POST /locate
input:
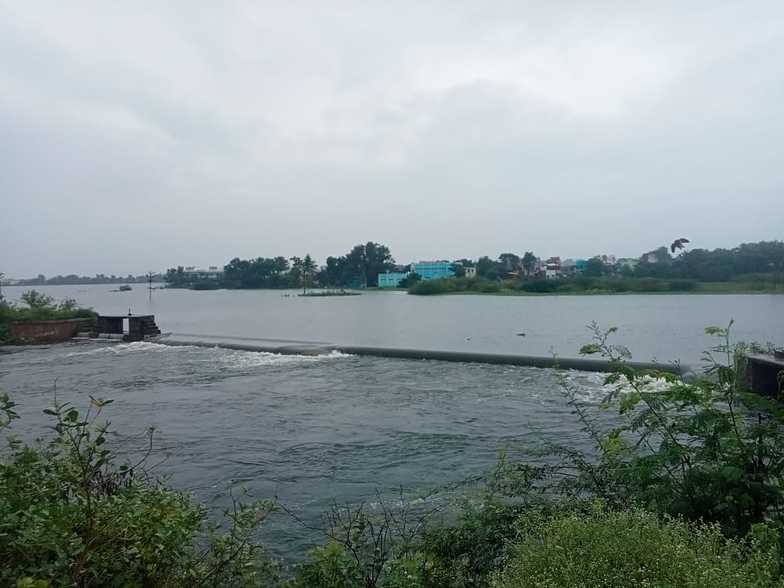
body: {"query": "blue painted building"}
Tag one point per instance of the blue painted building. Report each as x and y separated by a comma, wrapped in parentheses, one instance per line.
(433, 270)
(391, 279)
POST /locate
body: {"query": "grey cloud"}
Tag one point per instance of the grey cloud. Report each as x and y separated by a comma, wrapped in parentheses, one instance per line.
(441, 129)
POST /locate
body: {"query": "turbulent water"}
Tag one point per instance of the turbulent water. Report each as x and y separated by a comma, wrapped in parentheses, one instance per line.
(309, 430)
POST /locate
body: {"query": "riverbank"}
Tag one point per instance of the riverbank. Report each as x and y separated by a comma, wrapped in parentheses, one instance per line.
(589, 287)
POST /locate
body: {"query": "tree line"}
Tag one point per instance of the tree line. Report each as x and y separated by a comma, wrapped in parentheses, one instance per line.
(747, 259)
(360, 267)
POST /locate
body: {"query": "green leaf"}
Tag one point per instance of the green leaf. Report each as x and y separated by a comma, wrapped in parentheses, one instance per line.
(590, 349)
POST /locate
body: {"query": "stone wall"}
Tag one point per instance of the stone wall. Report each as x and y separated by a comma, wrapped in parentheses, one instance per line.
(36, 332)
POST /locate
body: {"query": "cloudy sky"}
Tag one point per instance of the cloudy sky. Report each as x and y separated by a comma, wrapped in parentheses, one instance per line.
(140, 135)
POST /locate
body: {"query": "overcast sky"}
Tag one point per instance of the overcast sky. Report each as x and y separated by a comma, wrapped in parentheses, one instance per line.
(141, 135)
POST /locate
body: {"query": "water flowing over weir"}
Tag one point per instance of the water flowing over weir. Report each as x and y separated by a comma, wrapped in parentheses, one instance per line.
(290, 347)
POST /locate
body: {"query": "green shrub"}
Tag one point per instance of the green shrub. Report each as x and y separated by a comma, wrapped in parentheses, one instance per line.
(683, 285)
(632, 548)
(447, 285)
(703, 448)
(430, 287)
(70, 517)
(40, 307)
(540, 286)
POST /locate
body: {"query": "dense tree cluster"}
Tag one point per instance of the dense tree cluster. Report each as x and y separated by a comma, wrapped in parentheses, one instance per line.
(359, 267)
(765, 257)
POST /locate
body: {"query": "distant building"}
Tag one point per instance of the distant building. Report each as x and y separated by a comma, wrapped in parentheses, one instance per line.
(580, 265)
(391, 279)
(433, 270)
(628, 263)
(568, 267)
(552, 268)
(194, 274)
(470, 272)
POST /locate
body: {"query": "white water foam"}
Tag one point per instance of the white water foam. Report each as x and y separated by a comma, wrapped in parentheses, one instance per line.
(251, 359)
(135, 347)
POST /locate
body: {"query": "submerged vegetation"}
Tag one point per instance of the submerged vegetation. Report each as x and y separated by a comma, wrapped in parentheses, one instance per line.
(686, 489)
(37, 307)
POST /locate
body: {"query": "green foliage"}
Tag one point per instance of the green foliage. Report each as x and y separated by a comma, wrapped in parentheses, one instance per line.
(303, 272)
(606, 284)
(594, 267)
(261, 272)
(69, 516)
(702, 448)
(330, 566)
(36, 300)
(631, 548)
(765, 257)
(411, 279)
(366, 548)
(451, 285)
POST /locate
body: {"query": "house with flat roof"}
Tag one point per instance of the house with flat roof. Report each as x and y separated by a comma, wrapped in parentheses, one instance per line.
(433, 270)
(195, 274)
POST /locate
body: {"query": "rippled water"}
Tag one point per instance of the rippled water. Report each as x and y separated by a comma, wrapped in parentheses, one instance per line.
(309, 430)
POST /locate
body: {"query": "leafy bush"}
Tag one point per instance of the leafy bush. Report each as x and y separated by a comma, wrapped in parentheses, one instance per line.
(70, 517)
(40, 307)
(540, 286)
(632, 548)
(702, 448)
(449, 285)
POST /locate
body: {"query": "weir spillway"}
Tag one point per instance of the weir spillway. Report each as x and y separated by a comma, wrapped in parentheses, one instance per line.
(292, 347)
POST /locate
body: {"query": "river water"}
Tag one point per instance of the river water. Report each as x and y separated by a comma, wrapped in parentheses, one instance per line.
(317, 430)
(655, 327)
